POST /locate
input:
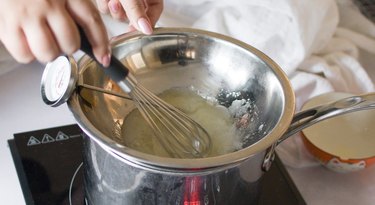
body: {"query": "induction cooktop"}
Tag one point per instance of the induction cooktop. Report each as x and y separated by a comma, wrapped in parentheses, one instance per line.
(50, 171)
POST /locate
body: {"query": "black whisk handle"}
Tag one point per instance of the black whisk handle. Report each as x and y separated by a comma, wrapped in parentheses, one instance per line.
(116, 70)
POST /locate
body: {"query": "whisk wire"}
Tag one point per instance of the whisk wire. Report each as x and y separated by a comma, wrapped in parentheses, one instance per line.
(142, 105)
(171, 126)
(162, 132)
(151, 122)
(171, 113)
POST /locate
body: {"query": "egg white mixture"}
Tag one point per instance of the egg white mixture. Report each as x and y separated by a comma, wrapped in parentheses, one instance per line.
(215, 119)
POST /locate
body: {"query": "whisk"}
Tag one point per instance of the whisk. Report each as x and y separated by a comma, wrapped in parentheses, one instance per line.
(180, 136)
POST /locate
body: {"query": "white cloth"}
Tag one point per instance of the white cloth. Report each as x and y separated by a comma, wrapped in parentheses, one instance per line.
(316, 42)
(286, 30)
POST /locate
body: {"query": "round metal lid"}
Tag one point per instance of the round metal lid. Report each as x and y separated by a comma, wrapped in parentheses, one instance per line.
(59, 81)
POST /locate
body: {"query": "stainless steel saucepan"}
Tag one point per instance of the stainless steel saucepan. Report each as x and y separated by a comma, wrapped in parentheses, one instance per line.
(219, 68)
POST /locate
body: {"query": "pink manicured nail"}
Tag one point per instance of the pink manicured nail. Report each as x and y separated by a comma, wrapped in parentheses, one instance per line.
(145, 26)
(106, 60)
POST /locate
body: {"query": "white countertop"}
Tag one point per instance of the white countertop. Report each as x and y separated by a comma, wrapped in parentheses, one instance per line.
(22, 109)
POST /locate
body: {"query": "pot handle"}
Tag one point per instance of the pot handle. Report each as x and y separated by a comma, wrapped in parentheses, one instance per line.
(319, 113)
(306, 118)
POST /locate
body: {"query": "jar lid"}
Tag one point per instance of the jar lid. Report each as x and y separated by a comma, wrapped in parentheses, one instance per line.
(59, 81)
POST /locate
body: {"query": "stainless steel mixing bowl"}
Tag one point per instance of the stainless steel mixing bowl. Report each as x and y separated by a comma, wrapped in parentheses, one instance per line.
(213, 64)
(220, 68)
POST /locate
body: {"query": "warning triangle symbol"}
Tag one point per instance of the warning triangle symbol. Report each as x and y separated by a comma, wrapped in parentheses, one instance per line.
(33, 141)
(47, 139)
(61, 136)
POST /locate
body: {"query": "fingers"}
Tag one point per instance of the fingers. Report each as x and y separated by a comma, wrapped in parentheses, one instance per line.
(136, 13)
(41, 41)
(142, 14)
(116, 10)
(62, 27)
(30, 40)
(154, 10)
(49, 29)
(16, 44)
(86, 15)
(45, 30)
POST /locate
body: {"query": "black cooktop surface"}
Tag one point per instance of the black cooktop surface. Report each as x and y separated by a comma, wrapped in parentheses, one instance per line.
(49, 167)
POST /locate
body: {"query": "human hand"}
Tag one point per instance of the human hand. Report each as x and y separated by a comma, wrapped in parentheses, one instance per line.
(142, 14)
(42, 30)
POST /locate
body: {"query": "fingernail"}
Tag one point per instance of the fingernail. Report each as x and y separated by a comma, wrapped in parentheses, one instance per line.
(114, 7)
(145, 26)
(106, 60)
